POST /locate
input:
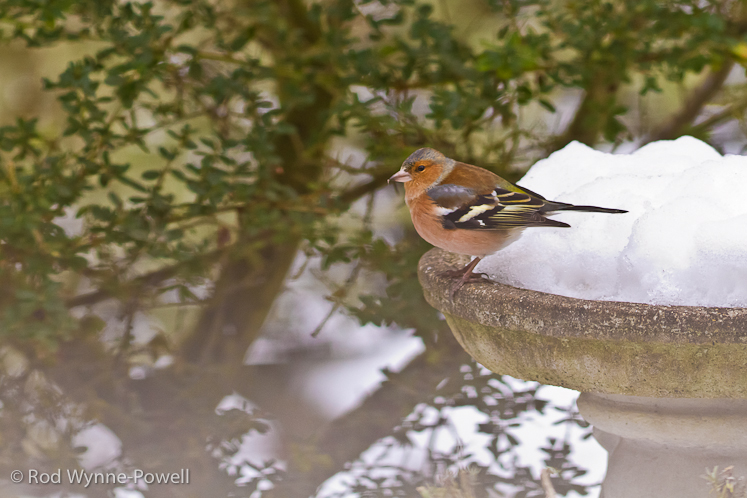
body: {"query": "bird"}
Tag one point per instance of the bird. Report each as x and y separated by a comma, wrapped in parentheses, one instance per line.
(469, 210)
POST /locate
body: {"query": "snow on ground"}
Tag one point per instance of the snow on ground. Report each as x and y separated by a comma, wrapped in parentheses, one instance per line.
(683, 241)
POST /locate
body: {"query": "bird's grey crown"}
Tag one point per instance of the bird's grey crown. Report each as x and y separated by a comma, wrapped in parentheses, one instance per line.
(424, 154)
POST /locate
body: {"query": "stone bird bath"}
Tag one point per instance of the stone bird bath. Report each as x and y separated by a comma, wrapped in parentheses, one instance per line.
(665, 387)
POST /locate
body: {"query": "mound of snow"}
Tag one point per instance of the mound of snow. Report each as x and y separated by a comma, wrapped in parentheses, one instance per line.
(683, 241)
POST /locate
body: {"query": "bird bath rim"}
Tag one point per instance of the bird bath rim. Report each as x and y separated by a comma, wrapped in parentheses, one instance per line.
(605, 347)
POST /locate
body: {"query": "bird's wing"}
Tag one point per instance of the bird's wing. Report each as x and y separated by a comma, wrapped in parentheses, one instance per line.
(500, 209)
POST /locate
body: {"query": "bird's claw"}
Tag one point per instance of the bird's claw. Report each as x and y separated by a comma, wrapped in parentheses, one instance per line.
(452, 273)
(464, 278)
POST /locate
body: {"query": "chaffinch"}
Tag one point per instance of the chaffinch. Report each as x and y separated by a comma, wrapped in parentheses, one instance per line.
(469, 210)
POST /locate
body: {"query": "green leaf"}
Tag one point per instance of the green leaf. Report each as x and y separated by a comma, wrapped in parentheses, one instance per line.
(151, 174)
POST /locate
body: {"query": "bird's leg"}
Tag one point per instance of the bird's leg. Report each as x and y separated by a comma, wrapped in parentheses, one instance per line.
(465, 275)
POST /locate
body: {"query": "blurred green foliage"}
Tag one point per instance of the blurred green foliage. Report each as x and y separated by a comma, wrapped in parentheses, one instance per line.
(236, 107)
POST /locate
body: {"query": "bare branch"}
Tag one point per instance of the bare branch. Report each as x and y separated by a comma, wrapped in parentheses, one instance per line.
(547, 483)
(379, 180)
(145, 281)
(682, 121)
(730, 112)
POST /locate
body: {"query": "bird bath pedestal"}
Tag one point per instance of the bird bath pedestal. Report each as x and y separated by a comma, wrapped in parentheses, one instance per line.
(665, 387)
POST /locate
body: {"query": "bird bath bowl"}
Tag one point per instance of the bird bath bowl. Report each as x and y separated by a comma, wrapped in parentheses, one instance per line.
(665, 387)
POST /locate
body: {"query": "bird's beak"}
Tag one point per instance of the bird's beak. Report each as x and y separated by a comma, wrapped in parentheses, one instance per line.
(400, 176)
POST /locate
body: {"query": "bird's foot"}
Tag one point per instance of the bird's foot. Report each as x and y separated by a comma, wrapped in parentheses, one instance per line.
(465, 275)
(463, 278)
(460, 273)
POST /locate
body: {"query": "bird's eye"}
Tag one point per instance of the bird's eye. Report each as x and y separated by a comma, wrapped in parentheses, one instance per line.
(420, 168)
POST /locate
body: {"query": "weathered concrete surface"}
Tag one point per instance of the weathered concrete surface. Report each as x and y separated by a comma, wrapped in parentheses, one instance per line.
(659, 447)
(594, 346)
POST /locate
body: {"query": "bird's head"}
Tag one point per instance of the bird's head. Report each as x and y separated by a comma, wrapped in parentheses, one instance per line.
(423, 169)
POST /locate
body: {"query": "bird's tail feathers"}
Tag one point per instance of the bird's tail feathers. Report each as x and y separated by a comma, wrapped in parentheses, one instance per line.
(588, 209)
(548, 222)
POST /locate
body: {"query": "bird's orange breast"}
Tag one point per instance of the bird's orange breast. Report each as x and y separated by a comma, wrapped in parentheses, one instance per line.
(470, 242)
